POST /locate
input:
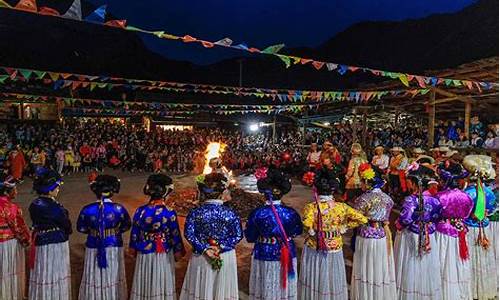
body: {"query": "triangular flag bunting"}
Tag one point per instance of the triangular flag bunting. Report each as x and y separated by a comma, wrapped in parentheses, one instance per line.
(468, 84)
(74, 11)
(26, 73)
(273, 49)
(285, 59)
(27, 5)
(98, 15)
(296, 59)
(331, 66)
(404, 79)
(54, 76)
(4, 4)
(3, 78)
(188, 39)
(241, 46)
(48, 11)
(159, 33)
(318, 64)
(226, 42)
(207, 44)
(117, 23)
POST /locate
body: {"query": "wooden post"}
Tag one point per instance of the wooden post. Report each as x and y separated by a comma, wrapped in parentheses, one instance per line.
(432, 119)
(468, 108)
(59, 110)
(365, 129)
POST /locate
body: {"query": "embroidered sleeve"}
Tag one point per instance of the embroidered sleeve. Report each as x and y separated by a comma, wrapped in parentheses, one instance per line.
(61, 218)
(409, 206)
(361, 203)
(191, 234)
(251, 230)
(136, 229)
(296, 226)
(175, 235)
(124, 219)
(19, 228)
(353, 217)
(235, 232)
(308, 219)
(81, 223)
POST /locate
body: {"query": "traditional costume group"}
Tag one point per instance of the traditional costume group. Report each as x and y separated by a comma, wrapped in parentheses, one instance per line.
(444, 247)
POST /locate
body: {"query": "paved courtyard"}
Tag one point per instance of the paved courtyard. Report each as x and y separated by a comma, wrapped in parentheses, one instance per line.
(76, 193)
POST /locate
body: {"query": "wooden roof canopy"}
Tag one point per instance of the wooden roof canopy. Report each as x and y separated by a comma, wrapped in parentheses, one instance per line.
(450, 102)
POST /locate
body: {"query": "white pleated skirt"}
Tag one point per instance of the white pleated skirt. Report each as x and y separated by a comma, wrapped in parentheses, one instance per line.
(455, 272)
(265, 281)
(106, 283)
(417, 278)
(492, 234)
(373, 274)
(51, 276)
(12, 268)
(202, 282)
(322, 275)
(154, 277)
(484, 269)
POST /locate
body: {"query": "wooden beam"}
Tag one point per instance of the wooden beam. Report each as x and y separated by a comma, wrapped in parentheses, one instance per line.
(432, 119)
(443, 92)
(468, 108)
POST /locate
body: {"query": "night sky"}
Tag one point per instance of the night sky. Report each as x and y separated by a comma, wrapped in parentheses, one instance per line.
(260, 23)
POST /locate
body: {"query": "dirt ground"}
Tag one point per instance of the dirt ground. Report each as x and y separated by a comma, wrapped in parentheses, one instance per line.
(76, 193)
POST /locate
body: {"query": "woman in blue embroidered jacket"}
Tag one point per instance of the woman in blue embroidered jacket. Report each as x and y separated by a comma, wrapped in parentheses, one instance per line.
(50, 276)
(484, 283)
(155, 236)
(272, 228)
(104, 222)
(213, 230)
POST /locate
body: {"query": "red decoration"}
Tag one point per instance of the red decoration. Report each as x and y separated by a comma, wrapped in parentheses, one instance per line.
(261, 173)
(308, 178)
(364, 166)
(462, 245)
(286, 157)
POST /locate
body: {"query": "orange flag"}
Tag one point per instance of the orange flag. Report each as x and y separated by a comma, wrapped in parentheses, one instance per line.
(207, 44)
(48, 11)
(117, 23)
(188, 38)
(27, 5)
(318, 64)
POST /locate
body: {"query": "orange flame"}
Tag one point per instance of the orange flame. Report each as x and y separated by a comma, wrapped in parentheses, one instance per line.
(213, 150)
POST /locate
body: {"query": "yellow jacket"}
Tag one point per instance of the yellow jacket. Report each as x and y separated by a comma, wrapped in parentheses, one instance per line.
(337, 217)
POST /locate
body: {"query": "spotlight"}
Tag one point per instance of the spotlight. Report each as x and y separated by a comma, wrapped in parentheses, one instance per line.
(254, 127)
(326, 123)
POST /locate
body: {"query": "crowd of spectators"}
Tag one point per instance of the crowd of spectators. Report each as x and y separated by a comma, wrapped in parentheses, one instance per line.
(85, 145)
(410, 133)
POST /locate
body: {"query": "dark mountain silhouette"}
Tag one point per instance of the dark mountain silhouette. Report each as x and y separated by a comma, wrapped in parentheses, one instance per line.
(445, 40)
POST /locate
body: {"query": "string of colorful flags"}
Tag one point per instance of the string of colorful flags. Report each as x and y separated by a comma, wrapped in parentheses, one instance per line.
(80, 111)
(99, 17)
(108, 104)
(80, 81)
